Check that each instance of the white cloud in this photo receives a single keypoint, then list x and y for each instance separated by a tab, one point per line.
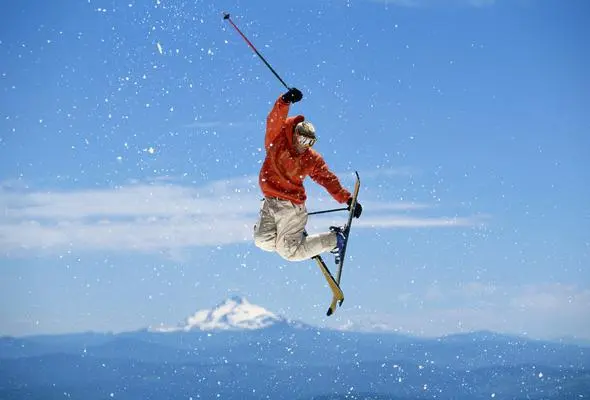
139	217
162	216
550	298
399	221
398	206
544	311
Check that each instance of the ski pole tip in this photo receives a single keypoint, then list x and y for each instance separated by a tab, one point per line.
225	15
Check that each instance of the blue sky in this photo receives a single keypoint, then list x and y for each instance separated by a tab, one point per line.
131	136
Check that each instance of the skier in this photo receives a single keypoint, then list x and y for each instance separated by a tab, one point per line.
289	159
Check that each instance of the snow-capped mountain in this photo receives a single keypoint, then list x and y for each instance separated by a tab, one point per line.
235	313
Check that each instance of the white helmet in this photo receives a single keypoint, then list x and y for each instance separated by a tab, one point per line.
305	128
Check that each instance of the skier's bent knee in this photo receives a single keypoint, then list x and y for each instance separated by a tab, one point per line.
266	245
289	255
292	257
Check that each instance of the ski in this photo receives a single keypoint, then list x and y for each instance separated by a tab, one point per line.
337	294
341	256
334	284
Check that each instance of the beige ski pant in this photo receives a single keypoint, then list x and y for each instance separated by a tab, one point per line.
280	228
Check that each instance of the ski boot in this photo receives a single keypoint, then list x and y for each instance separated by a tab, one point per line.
340	241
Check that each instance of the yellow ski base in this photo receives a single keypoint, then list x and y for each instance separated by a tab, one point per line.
337	294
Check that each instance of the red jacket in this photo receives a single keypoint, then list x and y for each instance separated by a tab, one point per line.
284	170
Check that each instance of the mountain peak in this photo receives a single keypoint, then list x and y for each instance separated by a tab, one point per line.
235	313
235	299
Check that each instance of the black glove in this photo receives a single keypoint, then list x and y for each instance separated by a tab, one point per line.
292	96
358	210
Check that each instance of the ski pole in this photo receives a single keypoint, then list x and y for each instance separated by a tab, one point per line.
227	17
328	211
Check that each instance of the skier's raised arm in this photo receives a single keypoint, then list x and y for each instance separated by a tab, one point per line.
277	116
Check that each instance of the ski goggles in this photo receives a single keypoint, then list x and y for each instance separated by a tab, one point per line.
305	141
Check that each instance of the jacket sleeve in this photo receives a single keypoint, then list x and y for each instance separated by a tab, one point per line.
323	176
275	120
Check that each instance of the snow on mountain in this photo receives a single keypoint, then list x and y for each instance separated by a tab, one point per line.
235	313
369	324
